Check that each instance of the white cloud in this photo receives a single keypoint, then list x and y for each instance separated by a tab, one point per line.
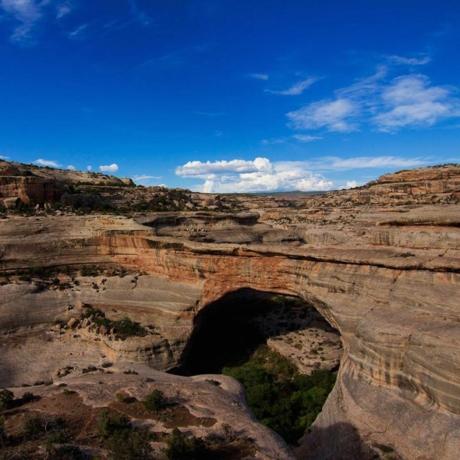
411	61
405	101
48	163
4	157
411	100
109	168
199	168
260	174
26	13
334	115
296	89
259	76
306	138
71	168
351	184
89	168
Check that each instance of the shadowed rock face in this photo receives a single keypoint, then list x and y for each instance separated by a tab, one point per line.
380	263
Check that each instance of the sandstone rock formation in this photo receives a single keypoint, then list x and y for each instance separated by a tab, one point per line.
381	263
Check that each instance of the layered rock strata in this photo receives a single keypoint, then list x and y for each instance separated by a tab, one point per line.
381	264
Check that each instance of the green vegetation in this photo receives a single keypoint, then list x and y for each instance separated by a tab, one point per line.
280	397
37	426
123	328
124	441
182	447
6	399
156	401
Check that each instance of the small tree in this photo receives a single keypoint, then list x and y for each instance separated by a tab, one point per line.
181	447
155	401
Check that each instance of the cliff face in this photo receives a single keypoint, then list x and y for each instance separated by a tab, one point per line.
380	263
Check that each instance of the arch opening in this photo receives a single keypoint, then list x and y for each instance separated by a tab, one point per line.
279	347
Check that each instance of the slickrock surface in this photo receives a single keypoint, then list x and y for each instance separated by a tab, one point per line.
381	263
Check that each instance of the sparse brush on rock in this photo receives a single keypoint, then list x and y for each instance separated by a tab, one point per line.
122	328
37	426
123	441
6	399
182	447
156	401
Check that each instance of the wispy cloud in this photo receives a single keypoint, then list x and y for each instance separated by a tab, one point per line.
78	31
333	115
380	102
306	138
4	157
109	168
366	162
296	89
411	100
48	163
63	9
26	14
145	179
71	168
410	61
259	76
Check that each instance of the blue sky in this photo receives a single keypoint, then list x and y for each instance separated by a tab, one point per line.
231	96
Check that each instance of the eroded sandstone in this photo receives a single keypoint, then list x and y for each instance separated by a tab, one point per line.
381	263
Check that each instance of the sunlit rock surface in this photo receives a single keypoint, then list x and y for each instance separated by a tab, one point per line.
381	263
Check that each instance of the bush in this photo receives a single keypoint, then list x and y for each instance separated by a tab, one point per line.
108	424
129	444
37	426
181	447
123	440
156	401
6	399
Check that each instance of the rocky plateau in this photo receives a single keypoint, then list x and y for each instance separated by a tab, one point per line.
81	252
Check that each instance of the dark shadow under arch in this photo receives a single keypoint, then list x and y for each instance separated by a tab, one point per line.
227	331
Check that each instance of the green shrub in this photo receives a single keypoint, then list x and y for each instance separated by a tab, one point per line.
108	424
6	399
280	397
129	444
156	401
37	426
123	440
123	328
181	447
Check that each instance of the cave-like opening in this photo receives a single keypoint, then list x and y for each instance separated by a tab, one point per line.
279	347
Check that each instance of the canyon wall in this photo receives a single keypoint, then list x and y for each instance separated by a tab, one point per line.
381	264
